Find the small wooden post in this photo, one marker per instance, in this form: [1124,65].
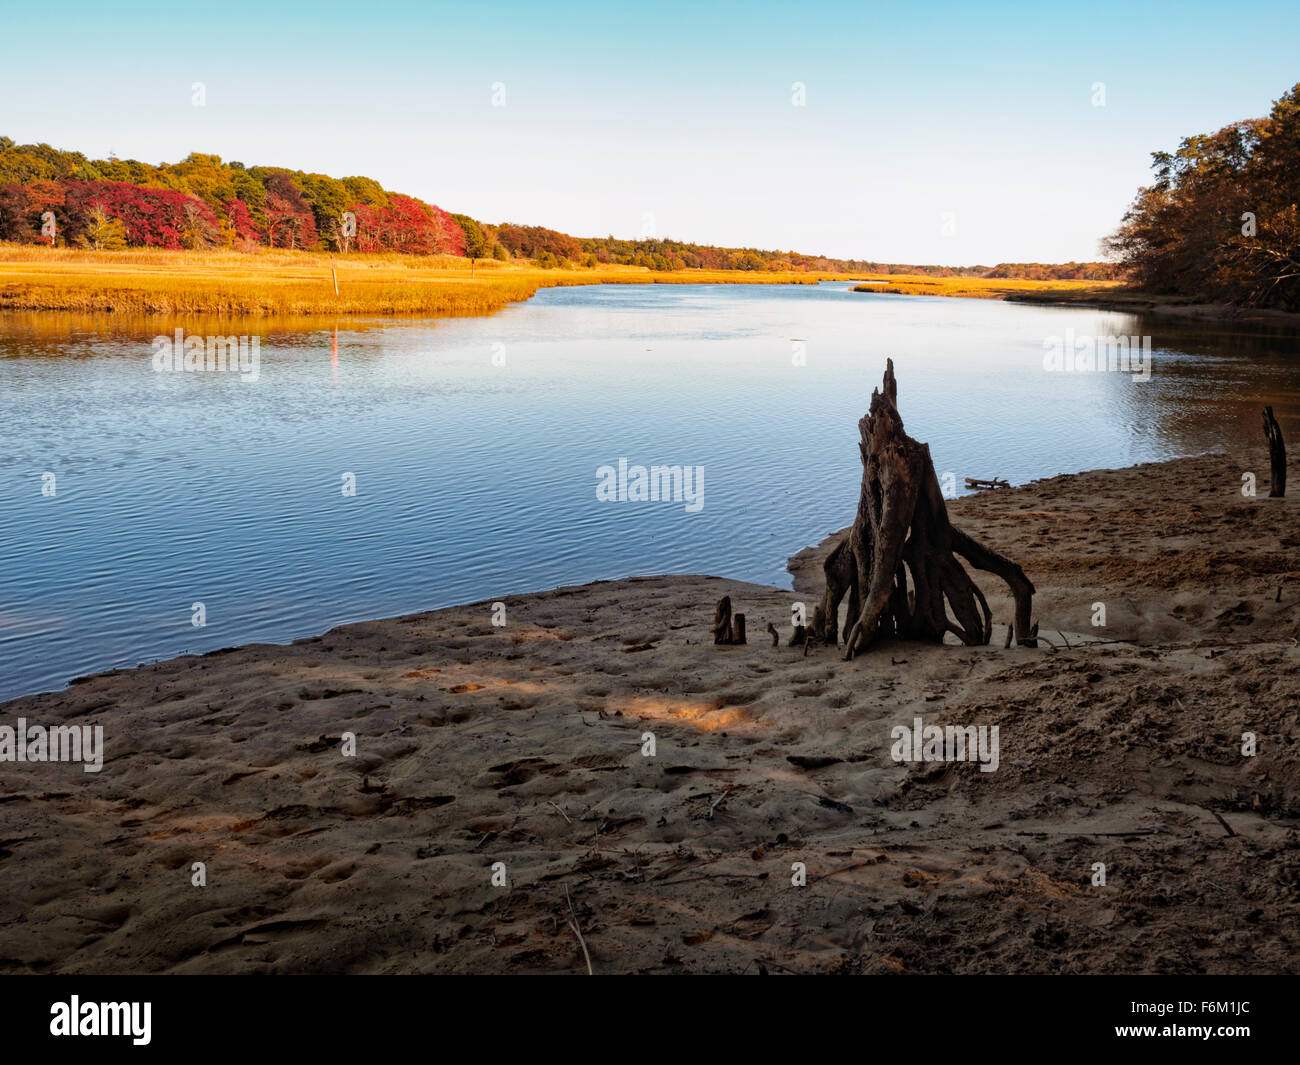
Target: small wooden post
[1276,454]
[738,629]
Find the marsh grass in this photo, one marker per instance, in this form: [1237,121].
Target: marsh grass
[982,287]
[284,284]
[142,281]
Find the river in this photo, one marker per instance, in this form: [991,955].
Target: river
[134,502]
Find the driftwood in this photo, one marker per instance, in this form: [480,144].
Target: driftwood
[991,482]
[902,531]
[776,636]
[1276,454]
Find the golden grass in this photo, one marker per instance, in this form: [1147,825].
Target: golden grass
[984,287]
[141,281]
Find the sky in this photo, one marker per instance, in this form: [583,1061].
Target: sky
[953,133]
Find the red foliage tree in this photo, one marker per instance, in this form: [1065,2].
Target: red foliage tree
[241,224]
[289,220]
[15,215]
[154,218]
[532,241]
[409,226]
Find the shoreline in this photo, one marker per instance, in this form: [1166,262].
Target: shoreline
[1169,307]
[523,744]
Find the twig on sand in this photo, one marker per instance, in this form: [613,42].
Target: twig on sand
[558,810]
[714,805]
[1072,832]
[715,876]
[1219,817]
[573,923]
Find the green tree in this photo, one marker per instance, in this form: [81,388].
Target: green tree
[476,242]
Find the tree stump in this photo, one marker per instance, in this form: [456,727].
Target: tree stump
[1276,454]
[902,531]
[722,621]
[726,628]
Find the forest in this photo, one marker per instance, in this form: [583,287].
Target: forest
[1220,223]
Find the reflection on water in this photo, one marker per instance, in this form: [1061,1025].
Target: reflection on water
[474,444]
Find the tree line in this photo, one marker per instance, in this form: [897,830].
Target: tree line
[203,202]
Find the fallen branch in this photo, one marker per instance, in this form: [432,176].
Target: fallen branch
[573,923]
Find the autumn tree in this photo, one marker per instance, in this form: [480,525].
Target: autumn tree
[289,220]
[15,214]
[476,245]
[103,232]
[239,226]
[1220,221]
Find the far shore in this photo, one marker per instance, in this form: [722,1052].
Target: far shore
[143,282]
[1135,302]
[154,282]
[1110,295]
[519,752]
[1104,296]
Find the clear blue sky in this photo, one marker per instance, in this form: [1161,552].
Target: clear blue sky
[681,111]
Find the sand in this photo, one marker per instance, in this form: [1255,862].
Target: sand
[522,745]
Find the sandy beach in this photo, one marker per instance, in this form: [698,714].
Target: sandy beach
[523,744]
